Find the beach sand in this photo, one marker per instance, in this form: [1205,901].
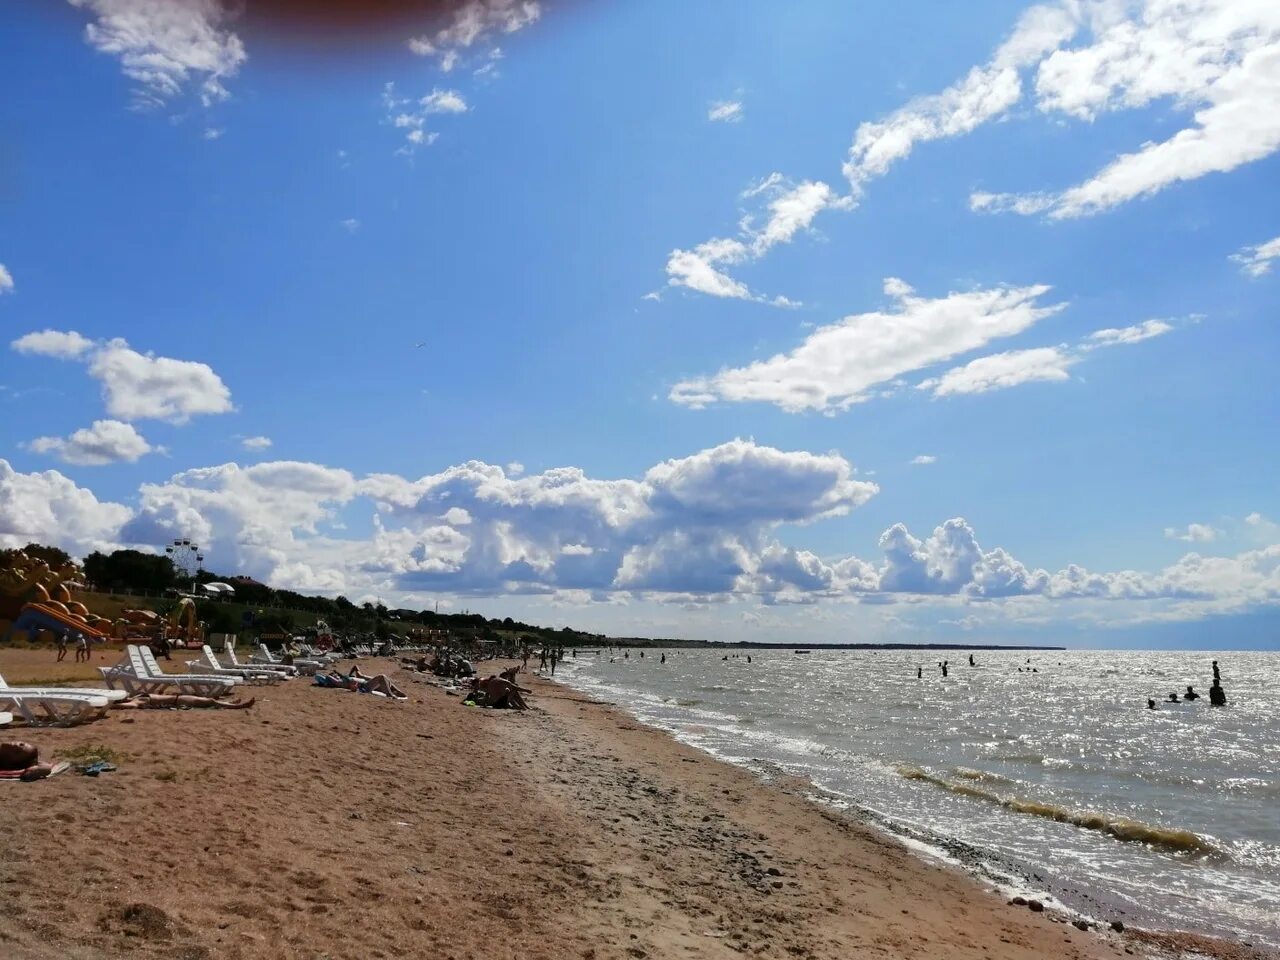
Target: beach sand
[324,823]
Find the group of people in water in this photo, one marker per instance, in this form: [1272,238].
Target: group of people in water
[1217,696]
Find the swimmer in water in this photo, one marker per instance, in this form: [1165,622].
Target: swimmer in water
[1173,697]
[919,673]
[944,667]
[1151,704]
[1190,694]
[971,663]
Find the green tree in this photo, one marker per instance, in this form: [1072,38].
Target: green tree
[130,568]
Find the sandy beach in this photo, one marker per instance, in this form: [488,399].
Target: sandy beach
[323,823]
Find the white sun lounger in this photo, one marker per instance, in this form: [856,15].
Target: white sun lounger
[63,709]
[306,666]
[210,664]
[155,671]
[233,663]
[134,676]
[114,696]
[6,719]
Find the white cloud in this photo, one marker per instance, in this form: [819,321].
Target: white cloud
[213,133]
[1219,59]
[53,343]
[790,209]
[443,101]
[351,224]
[985,93]
[1254,261]
[139,386]
[1002,370]
[136,386]
[106,442]
[515,468]
[1114,336]
[924,459]
[256,443]
[1194,533]
[725,111]
[410,115]
[698,529]
[838,365]
[475,23]
[6,280]
[49,508]
[165,46]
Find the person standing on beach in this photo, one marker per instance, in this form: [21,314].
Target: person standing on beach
[82,648]
[62,647]
[543,654]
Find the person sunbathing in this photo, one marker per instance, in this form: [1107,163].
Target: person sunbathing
[355,680]
[19,757]
[182,701]
[497,693]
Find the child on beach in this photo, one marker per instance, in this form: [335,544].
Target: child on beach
[62,647]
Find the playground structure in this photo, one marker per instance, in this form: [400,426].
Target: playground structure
[180,627]
[37,597]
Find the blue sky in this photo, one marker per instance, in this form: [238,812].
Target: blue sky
[735,271]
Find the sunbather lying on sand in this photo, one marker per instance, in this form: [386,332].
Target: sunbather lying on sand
[20,757]
[183,701]
[357,681]
[497,693]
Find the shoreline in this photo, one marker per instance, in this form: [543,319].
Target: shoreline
[323,822]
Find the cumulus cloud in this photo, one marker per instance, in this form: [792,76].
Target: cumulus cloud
[725,111]
[256,443]
[50,508]
[1254,261]
[53,343]
[6,280]
[1193,533]
[789,209]
[1002,370]
[697,529]
[475,24]
[107,441]
[840,365]
[136,386]
[165,48]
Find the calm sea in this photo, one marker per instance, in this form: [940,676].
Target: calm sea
[1058,782]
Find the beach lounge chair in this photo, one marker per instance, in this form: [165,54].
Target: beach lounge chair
[233,662]
[114,696]
[306,666]
[134,675]
[209,664]
[63,709]
[5,719]
[155,671]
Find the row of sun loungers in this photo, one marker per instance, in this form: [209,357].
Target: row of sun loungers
[139,673]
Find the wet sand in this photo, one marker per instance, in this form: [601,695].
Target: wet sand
[323,823]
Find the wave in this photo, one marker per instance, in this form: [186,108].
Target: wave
[984,776]
[1121,828]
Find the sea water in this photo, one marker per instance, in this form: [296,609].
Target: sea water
[1043,771]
